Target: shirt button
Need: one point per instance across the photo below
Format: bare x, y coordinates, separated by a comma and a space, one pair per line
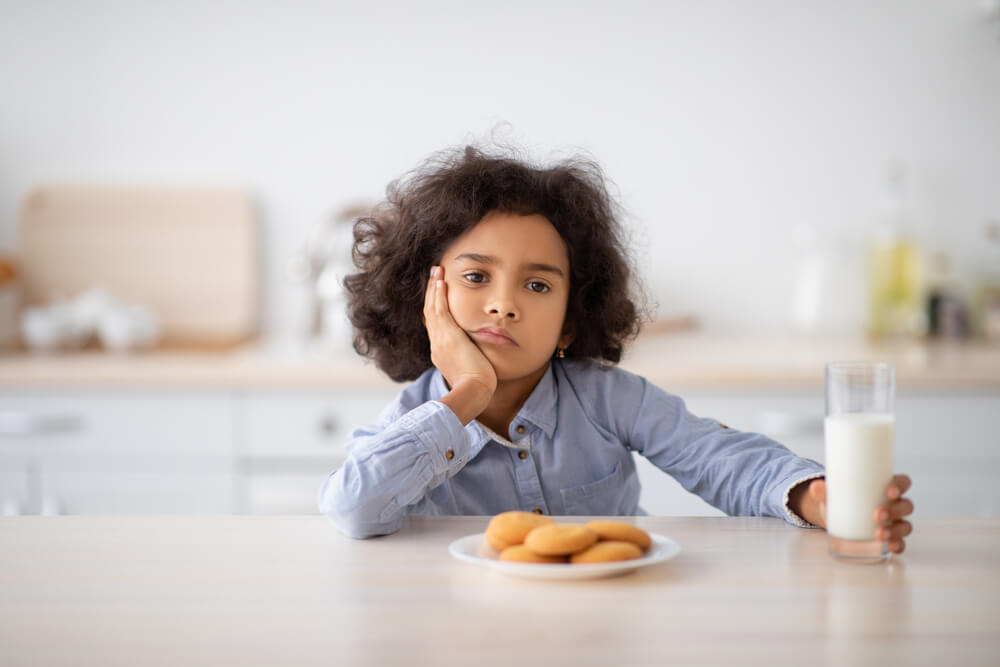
537, 510
520, 429
522, 455
450, 454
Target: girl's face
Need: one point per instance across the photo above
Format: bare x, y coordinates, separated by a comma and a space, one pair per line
508, 286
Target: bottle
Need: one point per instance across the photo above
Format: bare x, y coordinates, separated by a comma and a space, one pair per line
895, 271
9, 301
947, 314
987, 265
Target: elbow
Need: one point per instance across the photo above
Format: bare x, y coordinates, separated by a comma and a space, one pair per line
347, 516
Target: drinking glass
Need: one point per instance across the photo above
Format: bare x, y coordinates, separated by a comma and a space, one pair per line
858, 433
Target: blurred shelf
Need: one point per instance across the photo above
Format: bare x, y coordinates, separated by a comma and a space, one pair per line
705, 361
669, 360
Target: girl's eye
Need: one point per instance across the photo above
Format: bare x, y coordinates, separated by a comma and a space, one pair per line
474, 277
537, 286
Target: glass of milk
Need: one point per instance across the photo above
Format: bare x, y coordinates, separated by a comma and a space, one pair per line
858, 433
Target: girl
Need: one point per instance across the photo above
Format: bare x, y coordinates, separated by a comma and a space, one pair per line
503, 290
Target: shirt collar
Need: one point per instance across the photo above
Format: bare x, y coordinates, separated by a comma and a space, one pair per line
539, 410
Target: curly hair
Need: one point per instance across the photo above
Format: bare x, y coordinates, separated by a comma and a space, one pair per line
425, 210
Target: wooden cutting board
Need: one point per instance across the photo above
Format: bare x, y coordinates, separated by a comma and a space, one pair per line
189, 254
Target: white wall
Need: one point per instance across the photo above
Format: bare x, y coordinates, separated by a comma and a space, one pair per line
724, 124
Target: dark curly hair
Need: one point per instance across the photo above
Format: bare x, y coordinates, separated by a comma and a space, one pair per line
424, 211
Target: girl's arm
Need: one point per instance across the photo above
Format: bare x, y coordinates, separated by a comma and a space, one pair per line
392, 466
741, 473
465, 368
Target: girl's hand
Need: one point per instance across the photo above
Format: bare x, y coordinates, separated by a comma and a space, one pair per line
892, 526
465, 368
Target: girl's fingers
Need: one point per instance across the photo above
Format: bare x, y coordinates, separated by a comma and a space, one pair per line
441, 298
897, 531
899, 485
894, 510
435, 303
429, 295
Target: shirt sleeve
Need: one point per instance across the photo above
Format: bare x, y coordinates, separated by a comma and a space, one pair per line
741, 473
391, 466
790, 515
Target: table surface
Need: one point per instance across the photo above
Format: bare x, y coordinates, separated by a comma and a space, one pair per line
291, 590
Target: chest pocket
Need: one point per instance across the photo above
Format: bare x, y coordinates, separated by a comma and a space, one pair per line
615, 494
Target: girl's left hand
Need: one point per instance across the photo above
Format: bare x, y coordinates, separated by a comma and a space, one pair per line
892, 526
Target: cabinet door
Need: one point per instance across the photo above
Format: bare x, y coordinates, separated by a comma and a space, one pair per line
115, 452
288, 442
14, 487
129, 423
312, 425
130, 486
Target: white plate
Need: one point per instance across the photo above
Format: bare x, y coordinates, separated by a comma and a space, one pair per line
474, 549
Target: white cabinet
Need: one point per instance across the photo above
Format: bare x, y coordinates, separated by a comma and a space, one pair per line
14, 487
117, 452
265, 451
945, 441
288, 442
177, 452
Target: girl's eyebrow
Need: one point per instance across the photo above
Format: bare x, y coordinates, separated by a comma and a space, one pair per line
531, 266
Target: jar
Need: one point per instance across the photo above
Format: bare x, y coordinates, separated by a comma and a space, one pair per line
9, 299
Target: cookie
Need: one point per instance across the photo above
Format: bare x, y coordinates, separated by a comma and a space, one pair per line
621, 532
606, 552
560, 539
522, 554
509, 528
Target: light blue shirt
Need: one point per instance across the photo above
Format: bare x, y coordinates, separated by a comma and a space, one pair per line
569, 452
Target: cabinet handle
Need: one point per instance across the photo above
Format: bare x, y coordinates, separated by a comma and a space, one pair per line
328, 426
11, 507
23, 423
52, 506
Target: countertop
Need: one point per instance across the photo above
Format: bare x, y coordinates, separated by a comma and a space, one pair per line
669, 360
292, 590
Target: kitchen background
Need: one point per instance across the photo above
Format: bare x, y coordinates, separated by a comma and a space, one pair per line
764, 153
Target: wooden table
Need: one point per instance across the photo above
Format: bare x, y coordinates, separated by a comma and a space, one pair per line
291, 590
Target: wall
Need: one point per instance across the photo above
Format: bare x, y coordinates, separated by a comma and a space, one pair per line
725, 126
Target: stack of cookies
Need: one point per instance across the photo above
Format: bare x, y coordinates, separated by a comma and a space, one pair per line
531, 538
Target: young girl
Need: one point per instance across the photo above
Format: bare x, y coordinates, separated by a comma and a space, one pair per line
503, 290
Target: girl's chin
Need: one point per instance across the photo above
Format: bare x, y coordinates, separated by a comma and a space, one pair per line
510, 373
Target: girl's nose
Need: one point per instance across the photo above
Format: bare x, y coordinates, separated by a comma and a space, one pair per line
503, 305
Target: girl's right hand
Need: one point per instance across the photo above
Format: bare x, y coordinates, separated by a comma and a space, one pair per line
465, 368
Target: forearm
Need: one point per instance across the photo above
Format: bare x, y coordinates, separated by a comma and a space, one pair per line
805, 504
390, 469
467, 399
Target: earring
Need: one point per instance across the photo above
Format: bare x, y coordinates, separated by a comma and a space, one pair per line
560, 353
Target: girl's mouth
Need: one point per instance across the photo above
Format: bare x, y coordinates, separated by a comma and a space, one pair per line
494, 336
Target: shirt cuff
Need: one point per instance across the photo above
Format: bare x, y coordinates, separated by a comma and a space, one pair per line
441, 433
789, 514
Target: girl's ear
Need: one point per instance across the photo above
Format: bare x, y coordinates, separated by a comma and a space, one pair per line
566, 340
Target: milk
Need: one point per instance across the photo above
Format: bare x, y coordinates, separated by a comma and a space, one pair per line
858, 472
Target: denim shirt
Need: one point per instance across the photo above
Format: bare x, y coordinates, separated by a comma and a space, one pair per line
569, 452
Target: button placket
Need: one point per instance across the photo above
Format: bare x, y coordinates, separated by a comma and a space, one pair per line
526, 475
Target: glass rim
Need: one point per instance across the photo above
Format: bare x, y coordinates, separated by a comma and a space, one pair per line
858, 365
